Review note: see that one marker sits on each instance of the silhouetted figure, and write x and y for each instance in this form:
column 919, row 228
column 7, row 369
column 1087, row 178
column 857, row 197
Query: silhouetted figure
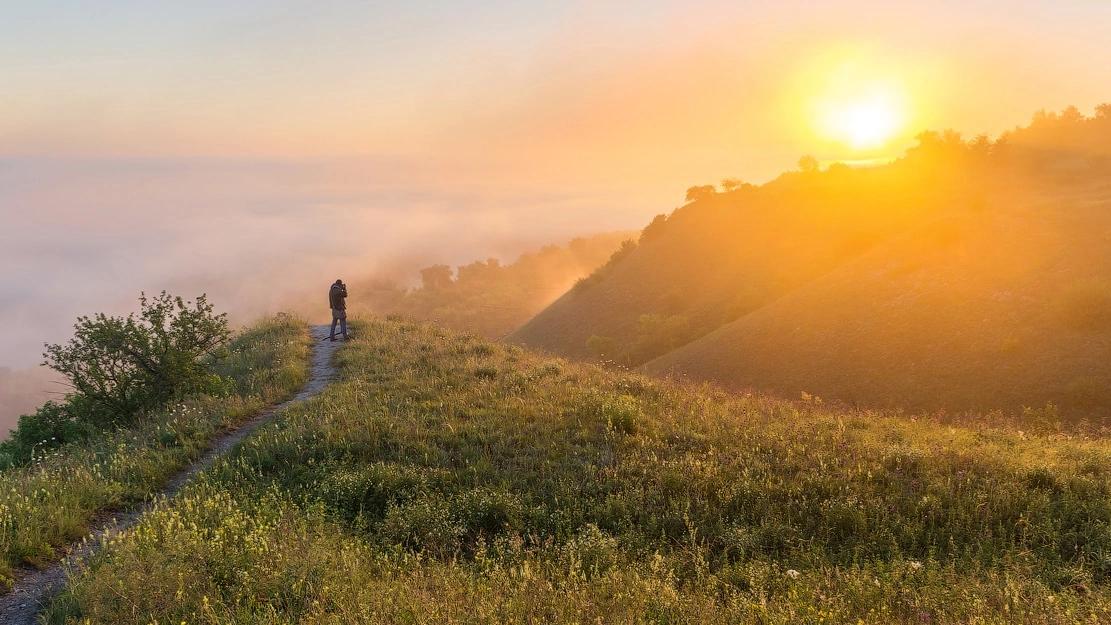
column 337, row 297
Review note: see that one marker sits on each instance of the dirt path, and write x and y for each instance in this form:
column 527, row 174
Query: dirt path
column 30, row 592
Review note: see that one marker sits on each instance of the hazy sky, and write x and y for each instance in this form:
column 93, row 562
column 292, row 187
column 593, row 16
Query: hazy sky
column 221, row 146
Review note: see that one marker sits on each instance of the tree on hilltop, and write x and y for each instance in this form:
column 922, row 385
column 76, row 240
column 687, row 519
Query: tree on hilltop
column 435, row 277
column 701, row 192
column 731, row 184
column 808, row 164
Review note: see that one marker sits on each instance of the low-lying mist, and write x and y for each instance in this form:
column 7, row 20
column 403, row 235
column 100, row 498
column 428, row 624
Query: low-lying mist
column 81, row 236
column 23, row 390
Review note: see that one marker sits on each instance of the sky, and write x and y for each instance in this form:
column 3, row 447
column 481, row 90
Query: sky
column 255, row 150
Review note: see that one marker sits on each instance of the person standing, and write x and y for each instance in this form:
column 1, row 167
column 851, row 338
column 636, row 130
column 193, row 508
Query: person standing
column 337, row 300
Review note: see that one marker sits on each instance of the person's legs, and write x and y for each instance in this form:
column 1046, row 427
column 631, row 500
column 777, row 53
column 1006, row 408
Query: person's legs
column 343, row 325
column 332, row 334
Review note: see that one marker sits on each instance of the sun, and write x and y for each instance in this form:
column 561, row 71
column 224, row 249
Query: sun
column 866, row 123
column 867, row 119
column 862, row 117
column 856, row 98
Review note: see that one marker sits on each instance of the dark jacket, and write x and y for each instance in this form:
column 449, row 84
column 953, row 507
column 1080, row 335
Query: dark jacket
column 336, row 296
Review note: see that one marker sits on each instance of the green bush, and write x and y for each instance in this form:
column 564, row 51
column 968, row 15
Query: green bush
column 50, row 426
column 122, row 366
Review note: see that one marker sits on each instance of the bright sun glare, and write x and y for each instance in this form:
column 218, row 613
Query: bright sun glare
column 857, row 102
column 868, row 122
column 864, row 120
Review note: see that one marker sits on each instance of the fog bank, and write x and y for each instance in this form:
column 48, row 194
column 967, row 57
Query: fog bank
column 80, row 236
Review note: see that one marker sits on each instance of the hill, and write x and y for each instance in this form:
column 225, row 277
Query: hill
column 487, row 297
column 721, row 257
column 965, row 275
column 1005, row 308
column 450, row 480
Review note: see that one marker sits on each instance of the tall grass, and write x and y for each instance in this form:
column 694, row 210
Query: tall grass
column 47, row 505
column 450, row 480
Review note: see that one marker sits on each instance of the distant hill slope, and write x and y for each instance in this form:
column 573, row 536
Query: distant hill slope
column 719, row 258
column 963, row 275
column 998, row 309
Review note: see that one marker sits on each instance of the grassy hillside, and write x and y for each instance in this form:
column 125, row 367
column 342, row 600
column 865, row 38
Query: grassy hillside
column 722, row 257
column 486, row 297
column 52, row 502
column 450, row 480
column 1003, row 308
column 965, row 275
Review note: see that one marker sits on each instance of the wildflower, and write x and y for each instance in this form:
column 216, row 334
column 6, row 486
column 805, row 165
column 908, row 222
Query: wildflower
column 793, row 574
column 915, row 565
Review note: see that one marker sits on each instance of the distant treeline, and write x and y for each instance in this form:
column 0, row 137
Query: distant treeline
column 1066, row 145
column 486, row 297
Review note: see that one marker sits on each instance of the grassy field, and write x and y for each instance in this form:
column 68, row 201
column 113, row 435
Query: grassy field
column 51, row 503
column 450, row 480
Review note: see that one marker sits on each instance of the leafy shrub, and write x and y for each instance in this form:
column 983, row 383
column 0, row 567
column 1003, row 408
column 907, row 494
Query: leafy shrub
column 122, row 366
column 50, row 426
